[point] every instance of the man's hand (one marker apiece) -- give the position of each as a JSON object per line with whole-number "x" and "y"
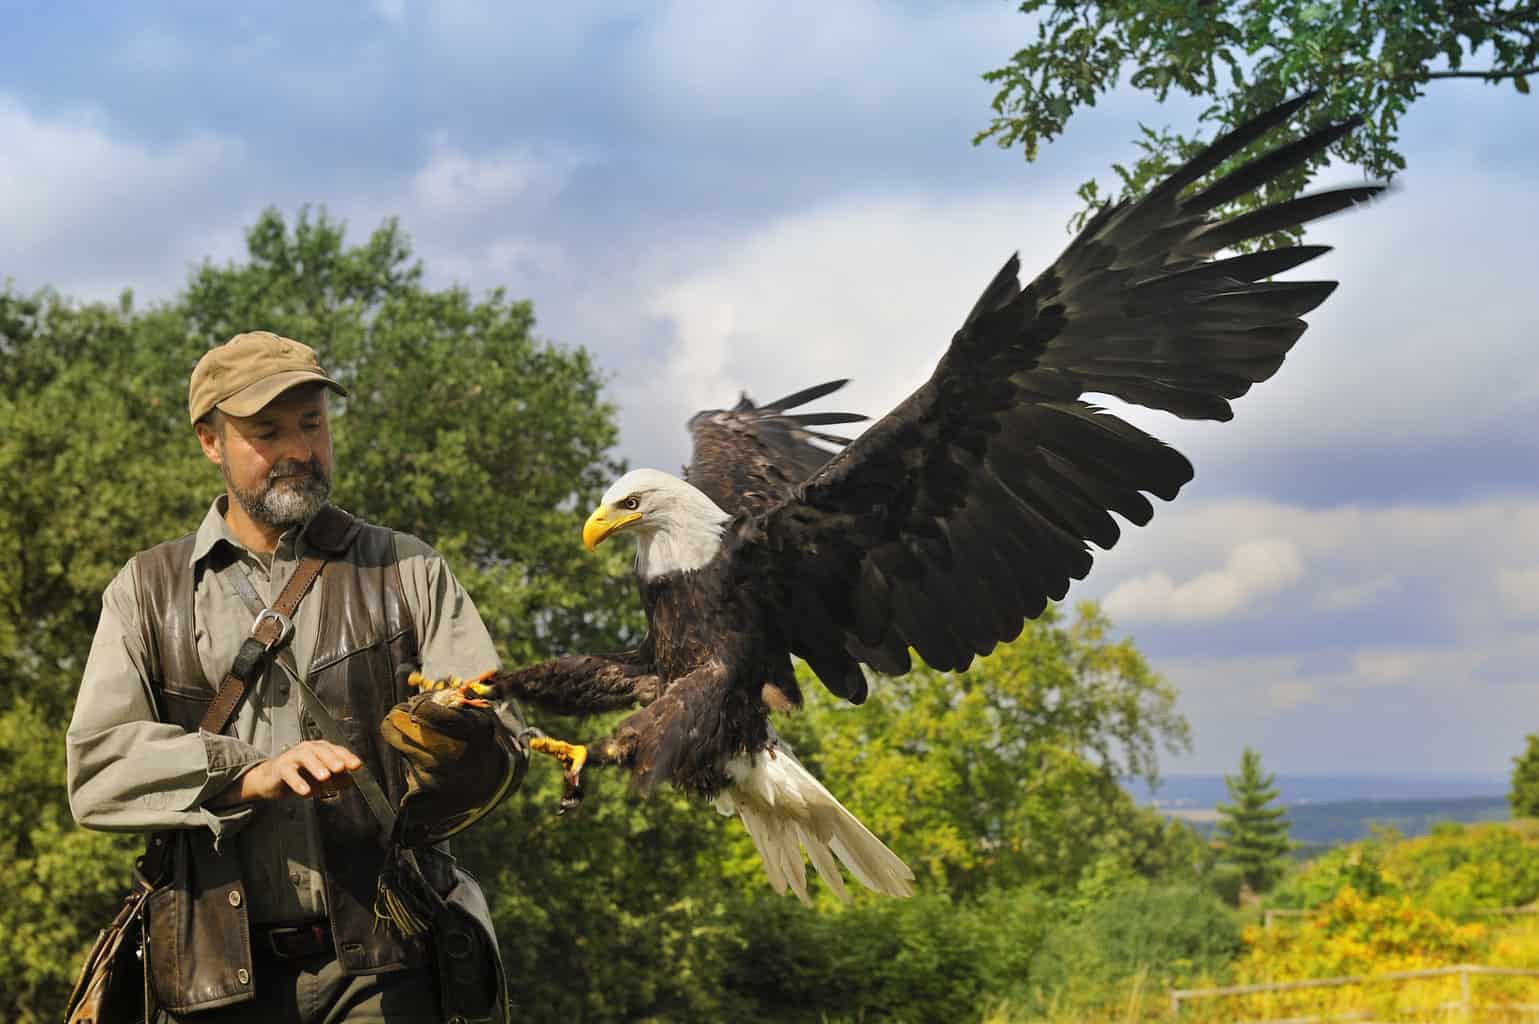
{"x": 305, "y": 769}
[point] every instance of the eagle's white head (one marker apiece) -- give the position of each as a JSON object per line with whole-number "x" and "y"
{"x": 677, "y": 528}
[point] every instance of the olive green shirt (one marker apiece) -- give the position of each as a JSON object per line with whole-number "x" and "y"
{"x": 126, "y": 772}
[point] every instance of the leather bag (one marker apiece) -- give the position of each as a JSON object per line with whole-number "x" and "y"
{"x": 472, "y": 988}
{"x": 111, "y": 987}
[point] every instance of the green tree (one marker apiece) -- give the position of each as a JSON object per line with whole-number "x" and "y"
{"x": 1524, "y": 795}
{"x": 1253, "y": 833}
{"x": 1372, "y": 57}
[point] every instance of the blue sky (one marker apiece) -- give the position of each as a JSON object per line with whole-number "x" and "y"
{"x": 715, "y": 197}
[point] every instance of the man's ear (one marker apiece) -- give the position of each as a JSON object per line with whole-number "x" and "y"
{"x": 208, "y": 437}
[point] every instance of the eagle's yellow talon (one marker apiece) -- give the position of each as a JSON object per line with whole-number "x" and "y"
{"x": 479, "y": 689}
{"x": 431, "y": 686}
{"x": 571, "y": 755}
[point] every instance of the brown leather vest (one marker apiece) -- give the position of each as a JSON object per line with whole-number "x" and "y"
{"x": 199, "y": 935}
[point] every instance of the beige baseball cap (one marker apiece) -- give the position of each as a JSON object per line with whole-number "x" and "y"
{"x": 245, "y": 373}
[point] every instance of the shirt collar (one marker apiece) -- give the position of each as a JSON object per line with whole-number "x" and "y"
{"x": 214, "y": 531}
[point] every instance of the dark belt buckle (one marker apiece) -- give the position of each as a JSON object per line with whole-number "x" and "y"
{"x": 291, "y": 942}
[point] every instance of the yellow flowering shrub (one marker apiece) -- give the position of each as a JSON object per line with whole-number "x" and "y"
{"x": 1356, "y": 935}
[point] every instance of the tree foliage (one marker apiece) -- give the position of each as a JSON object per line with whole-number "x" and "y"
{"x": 1373, "y": 58}
{"x": 1523, "y": 797}
{"x": 1253, "y": 833}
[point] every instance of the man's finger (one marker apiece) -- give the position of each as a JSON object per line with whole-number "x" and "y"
{"x": 295, "y": 779}
{"x": 314, "y": 763}
{"x": 337, "y": 757}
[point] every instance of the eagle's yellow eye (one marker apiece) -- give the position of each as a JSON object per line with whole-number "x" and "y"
{"x": 630, "y": 504}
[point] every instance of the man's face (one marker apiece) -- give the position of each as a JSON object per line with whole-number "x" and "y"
{"x": 277, "y": 463}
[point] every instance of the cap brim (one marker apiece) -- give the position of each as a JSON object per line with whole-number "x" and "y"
{"x": 253, "y": 398}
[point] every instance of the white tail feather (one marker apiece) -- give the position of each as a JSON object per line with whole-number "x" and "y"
{"x": 786, "y": 809}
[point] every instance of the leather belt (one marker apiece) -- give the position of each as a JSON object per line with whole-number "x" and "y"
{"x": 294, "y": 941}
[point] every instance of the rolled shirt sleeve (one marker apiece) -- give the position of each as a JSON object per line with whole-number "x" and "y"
{"x": 127, "y": 772}
{"x": 451, "y": 638}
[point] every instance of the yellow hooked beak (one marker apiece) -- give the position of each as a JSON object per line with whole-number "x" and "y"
{"x": 599, "y": 526}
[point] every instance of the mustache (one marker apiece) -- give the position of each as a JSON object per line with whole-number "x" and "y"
{"x": 295, "y": 468}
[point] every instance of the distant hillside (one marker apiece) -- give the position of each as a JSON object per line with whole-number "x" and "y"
{"x": 1201, "y": 791}
{"x": 1325, "y": 824}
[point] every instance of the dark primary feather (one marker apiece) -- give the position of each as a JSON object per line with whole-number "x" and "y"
{"x": 750, "y": 458}
{"x": 967, "y": 508}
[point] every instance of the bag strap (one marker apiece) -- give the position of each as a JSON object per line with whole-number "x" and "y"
{"x": 273, "y": 628}
{"x": 368, "y": 787}
{"x": 274, "y": 625}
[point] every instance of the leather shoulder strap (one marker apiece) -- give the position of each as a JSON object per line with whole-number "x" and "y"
{"x": 330, "y": 532}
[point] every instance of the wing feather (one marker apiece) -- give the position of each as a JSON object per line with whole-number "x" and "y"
{"x": 967, "y": 508}
{"x": 750, "y": 458}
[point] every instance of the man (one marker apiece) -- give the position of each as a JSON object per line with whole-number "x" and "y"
{"x": 284, "y": 854}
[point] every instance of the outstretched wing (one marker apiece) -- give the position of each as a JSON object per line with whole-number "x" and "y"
{"x": 580, "y": 684}
{"x": 750, "y": 458}
{"x": 959, "y": 514}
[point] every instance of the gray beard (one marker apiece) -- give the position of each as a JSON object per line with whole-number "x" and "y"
{"x": 292, "y": 493}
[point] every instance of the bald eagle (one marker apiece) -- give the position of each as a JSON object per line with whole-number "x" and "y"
{"x": 946, "y": 524}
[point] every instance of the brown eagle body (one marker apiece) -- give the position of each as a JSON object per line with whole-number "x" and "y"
{"x": 715, "y": 644}
{"x": 955, "y": 517}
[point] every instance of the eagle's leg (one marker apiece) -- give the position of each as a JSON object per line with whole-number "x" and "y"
{"x": 574, "y": 757}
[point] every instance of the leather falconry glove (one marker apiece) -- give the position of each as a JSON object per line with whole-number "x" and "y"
{"x": 462, "y": 759}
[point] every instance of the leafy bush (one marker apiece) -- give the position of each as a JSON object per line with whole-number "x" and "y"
{"x": 1475, "y": 868}
{"x": 1359, "y": 867}
{"x": 1227, "y": 882}
{"x": 1356, "y": 934}
{"x": 917, "y": 959}
{"x": 1173, "y": 932}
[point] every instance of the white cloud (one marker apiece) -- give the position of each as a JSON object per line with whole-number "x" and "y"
{"x": 393, "y": 12}
{"x": 90, "y": 210}
{"x": 1361, "y": 558}
{"x": 1291, "y": 693}
{"x": 1402, "y": 626}
{"x": 1358, "y": 594}
{"x": 1520, "y": 591}
{"x": 1384, "y": 667}
{"x": 712, "y": 62}
{"x": 1359, "y": 709}
{"x": 508, "y": 262}
{"x": 1254, "y": 569}
{"x": 521, "y": 48}
{"x": 454, "y": 183}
